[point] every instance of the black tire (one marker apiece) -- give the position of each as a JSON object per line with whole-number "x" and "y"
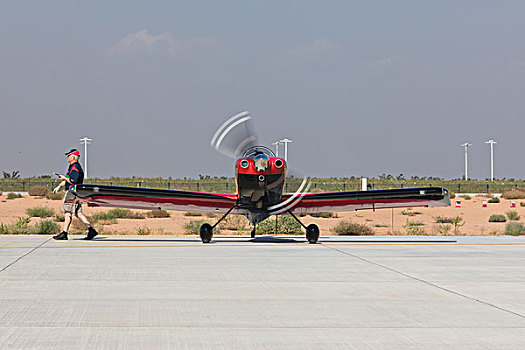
{"x": 206, "y": 233}
{"x": 312, "y": 233}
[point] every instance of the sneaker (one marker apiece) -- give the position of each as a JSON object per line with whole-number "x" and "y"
{"x": 91, "y": 234}
{"x": 61, "y": 236}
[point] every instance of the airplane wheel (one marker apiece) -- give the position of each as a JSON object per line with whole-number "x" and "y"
{"x": 206, "y": 233}
{"x": 312, "y": 233}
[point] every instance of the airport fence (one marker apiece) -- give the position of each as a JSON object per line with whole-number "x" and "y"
{"x": 292, "y": 184}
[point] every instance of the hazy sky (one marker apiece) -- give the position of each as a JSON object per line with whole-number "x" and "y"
{"x": 362, "y": 88}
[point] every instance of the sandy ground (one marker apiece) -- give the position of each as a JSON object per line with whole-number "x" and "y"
{"x": 474, "y": 215}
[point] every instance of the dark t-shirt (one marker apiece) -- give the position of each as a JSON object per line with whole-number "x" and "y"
{"x": 75, "y": 173}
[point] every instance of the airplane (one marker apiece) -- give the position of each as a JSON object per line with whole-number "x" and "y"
{"x": 260, "y": 178}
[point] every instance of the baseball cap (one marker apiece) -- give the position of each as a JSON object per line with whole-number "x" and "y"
{"x": 74, "y": 152}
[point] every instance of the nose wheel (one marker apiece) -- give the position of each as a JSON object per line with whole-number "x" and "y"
{"x": 312, "y": 233}
{"x": 206, "y": 233}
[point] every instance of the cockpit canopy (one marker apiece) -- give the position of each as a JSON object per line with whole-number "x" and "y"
{"x": 261, "y": 157}
{"x": 258, "y": 150}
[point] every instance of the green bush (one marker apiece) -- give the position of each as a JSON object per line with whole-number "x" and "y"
{"x": 497, "y": 218}
{"x": 60, "y": 217}
{"x": 409, "y": 212}
{"x": 12, "y": 195}
{"x": 40, "y": 212}
{"x": 193, "y": 227}
{"x": 515, "y": 229}
{"x": 21, "y": 226}
{"x": 117, "y": 213}
{"x": 414, "y": 227}
{"x": 466, "y": 197}
{"x": 325, "y": 215}
{"x": 513, "y": 215}
{"x": 40, "y": 191}
{"x": 494, "y": 200}
{"x": 144, "y": 230}
{"x": 157, "y": 214}
{"x": 444, "y": 228}
{"x": 120, "y": 213}
{"x": 353, "y": 229}
{"x": 286, "y": 225}
{"x": 443, "y": 220}
{"x": 55, "y": 196}
{"x": 522, "y": 204}
{"x": 46, "y": 227}
{"x": 103, "y": 216}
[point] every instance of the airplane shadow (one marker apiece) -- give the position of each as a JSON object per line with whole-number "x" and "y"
{"x": 267, "y": 239}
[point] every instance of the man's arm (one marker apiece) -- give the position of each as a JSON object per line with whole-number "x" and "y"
{"x": 62, "y": 184}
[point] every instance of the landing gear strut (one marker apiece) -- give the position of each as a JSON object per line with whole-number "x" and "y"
{"x": 312, "y": 230}
{"x": 206, "y": 230}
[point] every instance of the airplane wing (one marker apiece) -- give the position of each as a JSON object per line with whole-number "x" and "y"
{"x": 358, "y": 200}
{"x": 154, "y": 199}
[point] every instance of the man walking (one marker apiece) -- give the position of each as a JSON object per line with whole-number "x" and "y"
{"x": 74, "y": 176}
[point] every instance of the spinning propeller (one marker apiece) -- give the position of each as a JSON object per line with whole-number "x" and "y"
{"x": 235, "y": 136}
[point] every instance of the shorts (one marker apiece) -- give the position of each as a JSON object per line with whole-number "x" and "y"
{"x": 71, "y": 208}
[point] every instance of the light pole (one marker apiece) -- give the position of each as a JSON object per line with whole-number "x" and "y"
{"x": 286, "y": 142}
{"x": 86, "y": 142}
{"x": 466, "y": 145}
{"x": 276, "y": 144}
{"x": 491, "y": 142}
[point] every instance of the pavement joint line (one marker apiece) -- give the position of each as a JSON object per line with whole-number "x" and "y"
{"x": 254, "y": 327}
{"x": 24, "y": 255}
{"x": 427, "y": 282}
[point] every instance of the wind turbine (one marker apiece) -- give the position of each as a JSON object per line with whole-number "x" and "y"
{"x": 86, "y": 142}
{"x": 286, "y": 142}
{"x": 491, "y": 142}
{"x": 466, "y": 145}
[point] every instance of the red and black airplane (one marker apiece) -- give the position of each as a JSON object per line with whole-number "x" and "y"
{"x": 260, "y": 178}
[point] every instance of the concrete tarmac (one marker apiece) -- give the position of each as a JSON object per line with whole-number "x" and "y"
{"x": 173, "y": 292}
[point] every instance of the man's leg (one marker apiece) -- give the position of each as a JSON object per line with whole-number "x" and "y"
{"x": 67, "y": 223}
{"x": 68, "y": 217}
{"x": 91, "y": 231}
{"x": 66, "y": 208}
{"x": 84, "y": 220}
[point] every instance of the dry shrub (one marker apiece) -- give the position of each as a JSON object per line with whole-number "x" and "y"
{"x": 54, "y": 196}
{"x": 234, "y": 223}
{"x": 513, "y": 215}
{"x": 352, "y": 229}
{"x": 38, "y": 191}
{"x": 190, "y": 213}
{"x": 515, "y": 229}
{"x": 514, "y": 193}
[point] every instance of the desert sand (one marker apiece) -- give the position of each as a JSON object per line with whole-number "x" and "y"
{"x": 474, "y": 216}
